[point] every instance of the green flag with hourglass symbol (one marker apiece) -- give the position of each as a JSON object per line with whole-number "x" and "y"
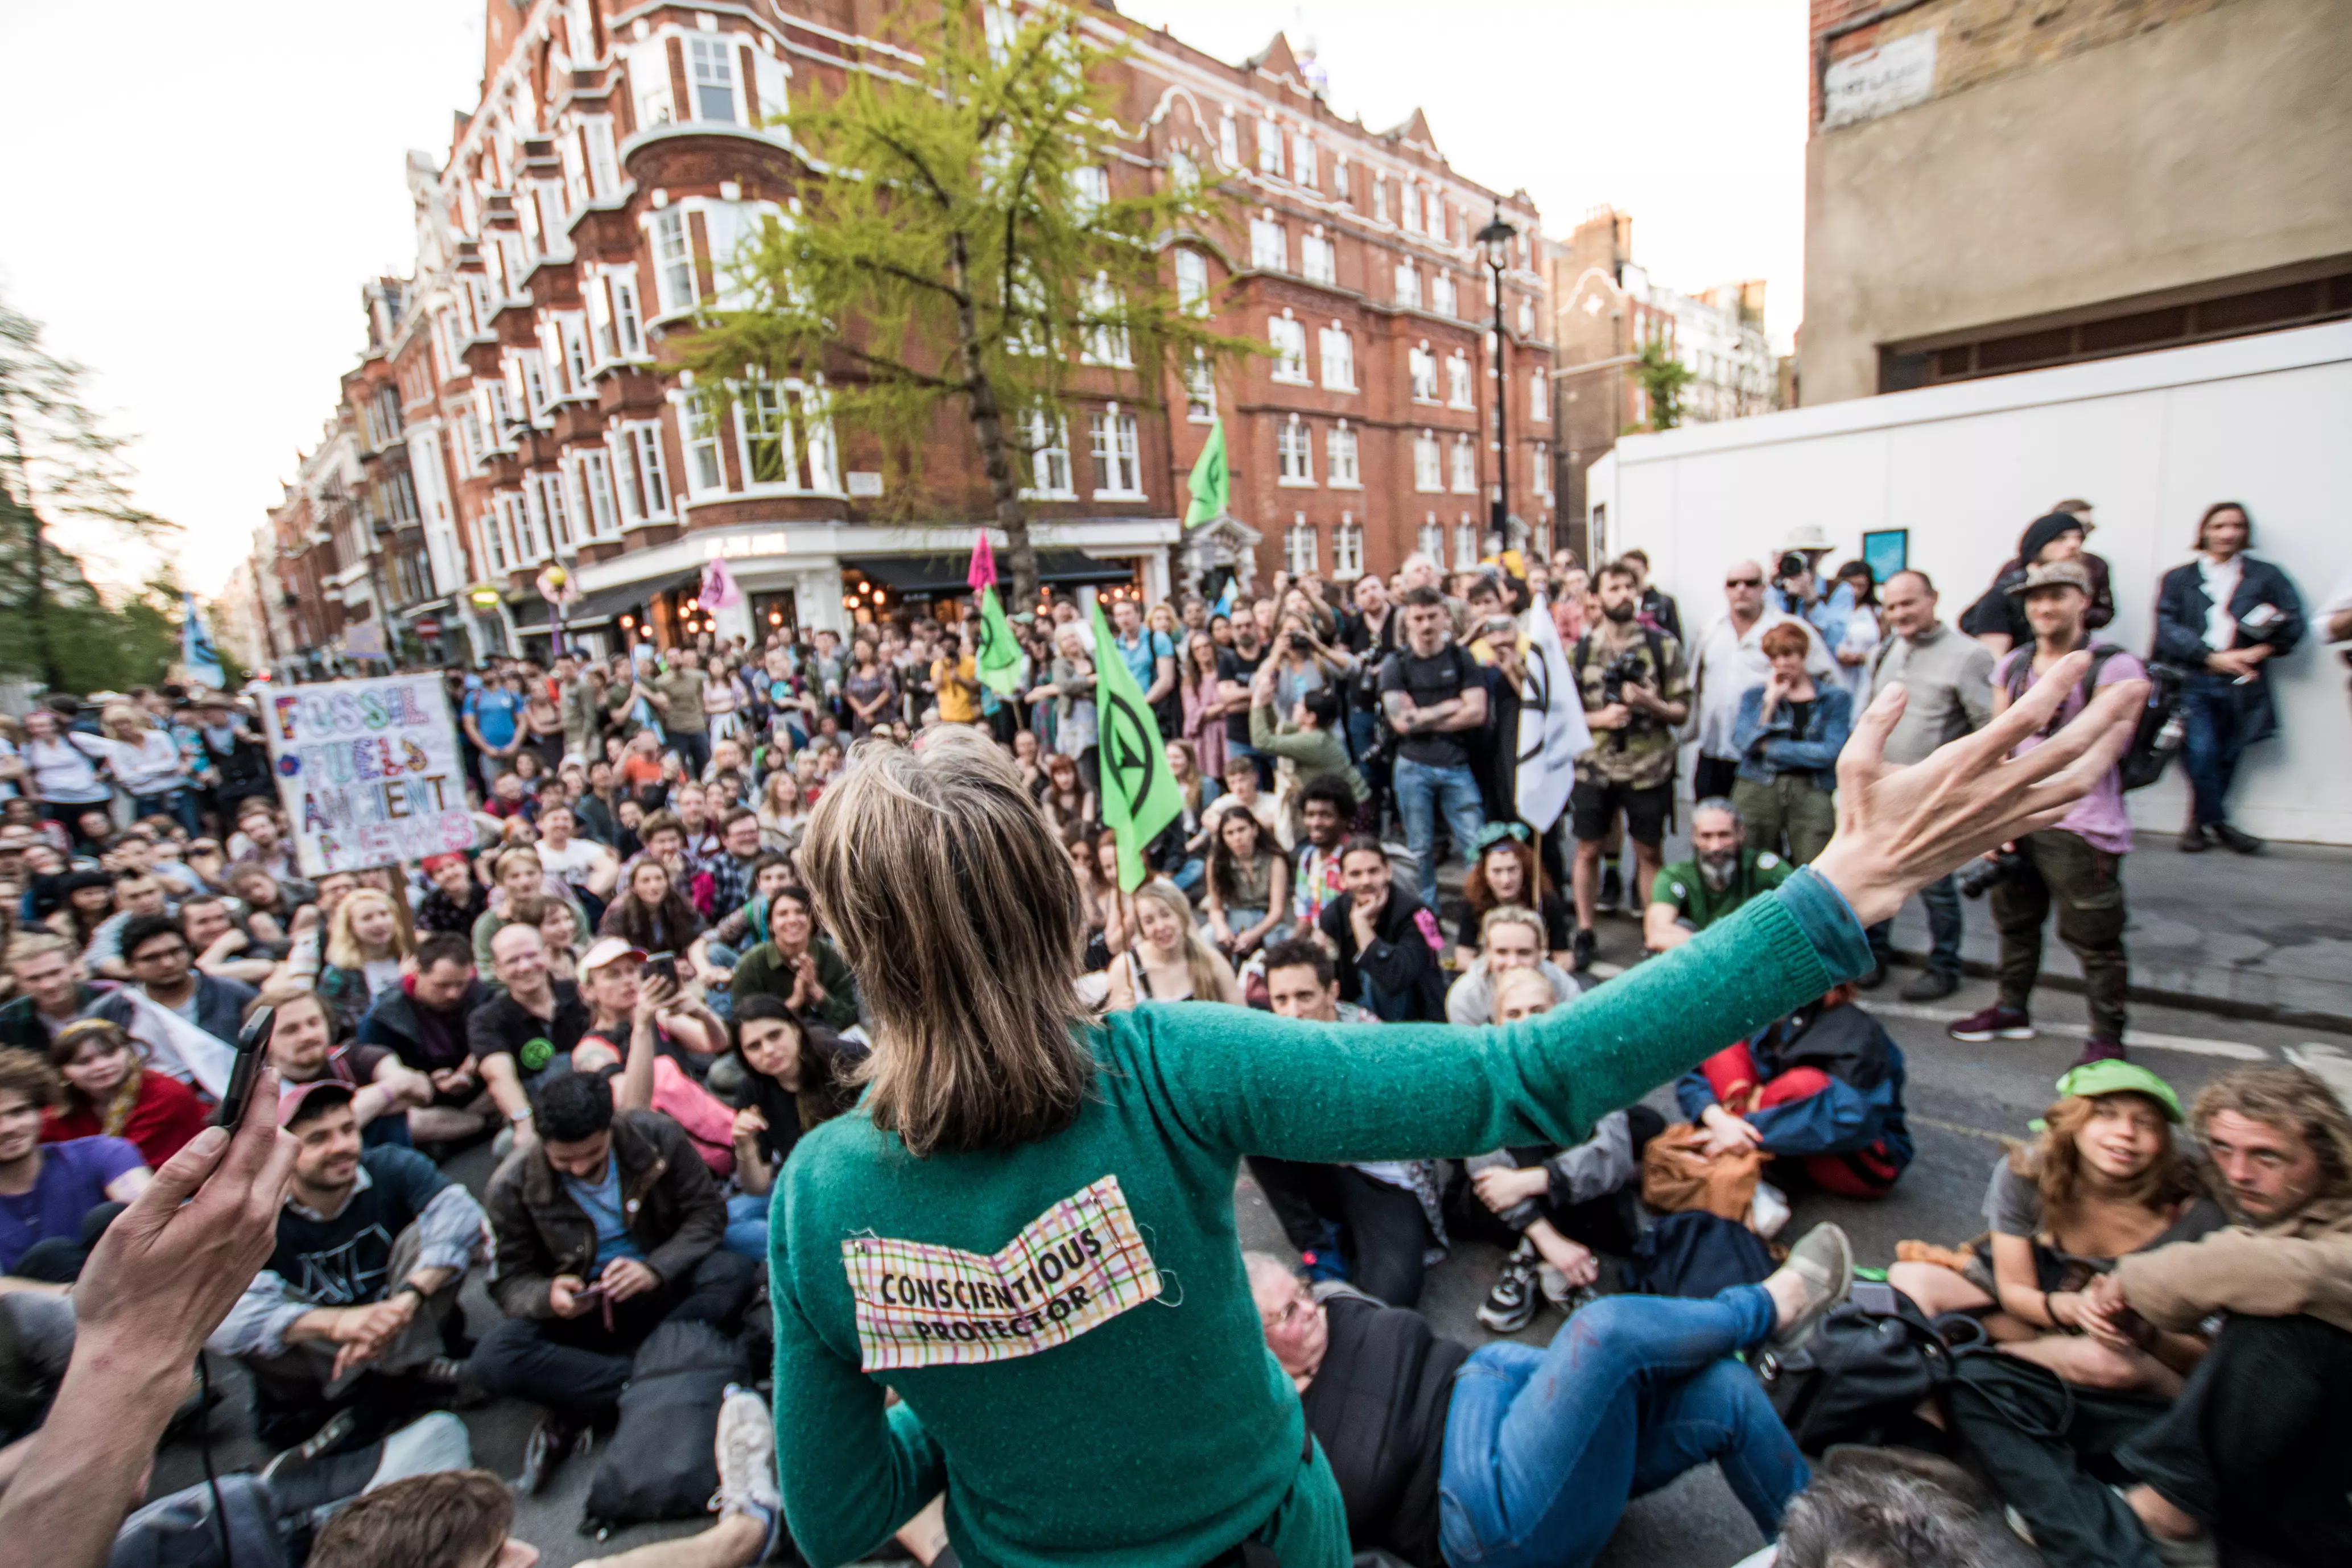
{"x": 1140, "y": 796}
{"x": 1000, "y": 651}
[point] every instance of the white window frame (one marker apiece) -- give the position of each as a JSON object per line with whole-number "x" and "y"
{"x": 1229, "y": 142}
{"x": 699, "y": 434}
{"x": 1409, "y": 206}
{"x": 1303, "y": 158}
{"x": 1116, "y": 454}
{"x": 555, "y": 505}
{"x": 1294, "y": 446}
{"x": 1444, "y": 297}
{"x": 818, "y": 444}
{"x": 1108, "y": 343}
{"x": 651, "y": 469}
{"x": 1347, "y": 550}
{"x": 1408, "y": 285}
{"x": 1089, "y": 190}
{"x": 1342, "y": 469}
{"x": 1338, "y": 351}
{"x": 1539, "y": 395}
{"x": 1465, "y": 545}
{"x": 599, "y": 506}
{"x": 1269, "y": 147}
{"x": 1428, "y": 464}
{"x": 674, "y": 273}
{"x": 1300, "y": 548}
{"x": 1269, "y": 245}
{"x": 1540, "y": 470}
{"x": 1459, "y": 383}
{"x": 1429, "y": 538}
{"x": 1191, "y": 282}
{"x": 763, "y": 416}
{"x": 1318, "y": 260}
{"x": 1421, "y": 372}
{"x": 1049, "y": 460}
{"x": 1201, "y": 388}
{"x": 1288, "y": 337}
{"x": 604, "y": 159}
{"x": 708, "y": 56}
{"x": 1465, "y": 466}
{"x": 572, "y": 333}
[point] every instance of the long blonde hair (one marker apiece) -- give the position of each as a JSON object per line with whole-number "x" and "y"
{"x": 344, "y": 949}
{"x": 960, "y": 915}
{"x": 1198, "y": 962}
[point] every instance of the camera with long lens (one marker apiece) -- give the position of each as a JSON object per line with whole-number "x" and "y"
{"x": 1979, "y": 877}
{"x": 1626, "y": 668}
{"x": 1791, "y": 566}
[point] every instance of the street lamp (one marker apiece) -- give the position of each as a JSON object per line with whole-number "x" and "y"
{"x": 1496, "y": 238}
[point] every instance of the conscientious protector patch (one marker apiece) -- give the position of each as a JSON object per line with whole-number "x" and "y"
{"x": 1074, "y": 1268}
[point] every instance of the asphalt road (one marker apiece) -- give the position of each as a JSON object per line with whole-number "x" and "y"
{"x": 1963, "y": 1099}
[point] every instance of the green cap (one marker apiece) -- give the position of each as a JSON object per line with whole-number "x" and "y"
{"x": 2116, "y": 1076}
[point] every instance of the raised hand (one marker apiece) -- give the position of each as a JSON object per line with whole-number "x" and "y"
{"x": 1900, "y": 828}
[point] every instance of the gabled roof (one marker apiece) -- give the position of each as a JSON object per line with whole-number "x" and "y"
{"x": 1414, "y": 129}
{"x": 1274, "y": 60}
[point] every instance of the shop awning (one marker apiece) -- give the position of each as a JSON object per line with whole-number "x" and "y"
{"x": 595, "y": 609}
{"x": 945, "y": 574}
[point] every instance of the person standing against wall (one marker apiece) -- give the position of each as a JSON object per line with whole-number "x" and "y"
{"x": 2221, "y": 617}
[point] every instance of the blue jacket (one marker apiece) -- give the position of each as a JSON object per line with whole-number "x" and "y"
{"x": 1767, "y": 751}
{"x": 2180, "y": 606}
{"x": 1862, "y": 1105}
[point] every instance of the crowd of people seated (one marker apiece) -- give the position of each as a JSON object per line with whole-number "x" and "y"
{"x": 627, "y": 992}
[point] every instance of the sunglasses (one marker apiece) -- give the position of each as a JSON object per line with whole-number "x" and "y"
{"x": 1743, "y": 581}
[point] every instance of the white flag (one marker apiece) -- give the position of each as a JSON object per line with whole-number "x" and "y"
{"x": 1552, "y": 733}
{"x": 177, "y": 1047}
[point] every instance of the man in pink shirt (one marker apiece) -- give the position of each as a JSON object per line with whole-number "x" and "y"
{"x": 2077, "y": 865}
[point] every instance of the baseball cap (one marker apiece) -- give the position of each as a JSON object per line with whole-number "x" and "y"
{"x": 609, "y": 949}
{"x": 2053, "y": 574}
{"x": 2116, "y": 1076}
{"x": 292, "y": 1096}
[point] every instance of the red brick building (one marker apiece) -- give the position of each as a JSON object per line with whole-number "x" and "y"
{"x": 513, "y": 408}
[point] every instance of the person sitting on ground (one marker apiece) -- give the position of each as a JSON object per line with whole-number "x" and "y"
{"x": 745, "y": 926}
{"x": 1821, "y": 1089}
{"x": 2104, "y": 1180}
{"x": 1788, "y": 734}
{"x": 1444, "y": 1453}
{"x": 1245, "y": 887}
{"x": 653, "y": 915}
{"x": 1169, "y": 961}
{"x": 1554, "y": 1208}
{"x": 357, "y": 1306}
{"x": 136, "y": 894}
{"x": 795, "y": 1075}
{"x": 1377, "y": 1223}
{"x": 456, "y": 898}
{"x": 368, "y": 949}
{"x": 604, "y": 1228}
{"x": 1510, "y": 938}
{"x": 423, "y": 1021}
{"x": 798, "y": 965}
{"x": 223, "y": 947}
{"x": 162, "y": 970}
{"x": 521, "y": 874}
{"x": 586, "y": 869}
{"x": 109, "y": 1090}
{"x": 272, "y": 904}
{"x": 1722, "y": 873}
{"x": 1504, "y": 869}
{"x": 2251, "y": 1451}
{"x": 528, "y": 1030}
{"x": 89, "y": 903}
{"x": 1386, "y": 940}
{"x": 51, "y": 991}
{"x": 53, "y": 1196}
{"x": 1243, "y": 793}
{"x": 302, "y": 1049}
{"x": 659, "y": 1049}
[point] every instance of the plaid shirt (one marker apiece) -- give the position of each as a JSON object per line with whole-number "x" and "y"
{"x": 730, "y": 882}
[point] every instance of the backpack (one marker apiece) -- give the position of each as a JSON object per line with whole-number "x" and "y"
{"x": 1859, "y": 1374}
{"x": 1694, "y": 1254}
{"x": 2158, "y": 737}
{"x": 660, "y": 1463}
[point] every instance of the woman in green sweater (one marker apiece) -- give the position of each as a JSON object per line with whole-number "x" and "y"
{"x": 1027, "y": 1230}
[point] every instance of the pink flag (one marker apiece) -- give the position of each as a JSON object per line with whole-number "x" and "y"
{"x": 982, "y": 570}
{"x": 718, "y": 589}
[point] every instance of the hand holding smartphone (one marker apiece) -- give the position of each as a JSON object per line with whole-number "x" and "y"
{"x": 252, "y": 1048}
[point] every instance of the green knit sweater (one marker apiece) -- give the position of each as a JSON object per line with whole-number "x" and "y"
{"x": 1067, "y": 1322}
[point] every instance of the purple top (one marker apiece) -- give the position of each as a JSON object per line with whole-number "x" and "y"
{"x": 2098, "y": 818}
{"x": 72, "y": 1182}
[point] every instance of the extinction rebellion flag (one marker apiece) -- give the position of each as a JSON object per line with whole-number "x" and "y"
{"x": 1140, "y": 796}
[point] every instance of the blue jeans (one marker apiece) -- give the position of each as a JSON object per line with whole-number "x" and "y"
{"x": 2214, "y": 736}
{"x": 179, "y": 805}
{"x": 1543, "y": 1449}
{"x": 1942, "y": 898}
{"x": 1188, "y": 875}
{"x": 1422, "y": 792}
{"x": 746, "y": 1226}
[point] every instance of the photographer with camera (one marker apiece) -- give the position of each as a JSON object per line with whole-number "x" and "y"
{"x": 1635, "y": 691}
{"x": 2078, "y": 863}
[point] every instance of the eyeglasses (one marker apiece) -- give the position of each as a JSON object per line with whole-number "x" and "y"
{"x": 1743, "y": 581}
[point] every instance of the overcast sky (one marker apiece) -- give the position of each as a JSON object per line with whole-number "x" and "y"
{"x": 195, "y": 205}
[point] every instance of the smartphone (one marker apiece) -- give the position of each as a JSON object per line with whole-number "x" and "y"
{"x": 589, "y": 1293}
{"x": 252, "y": 1044}
{"x": 663, "y": 965}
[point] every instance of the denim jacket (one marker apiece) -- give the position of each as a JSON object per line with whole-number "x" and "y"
{"x": 1767, "y": 751}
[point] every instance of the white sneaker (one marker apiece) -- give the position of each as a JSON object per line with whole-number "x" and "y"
{"x": 747, "y": 1463}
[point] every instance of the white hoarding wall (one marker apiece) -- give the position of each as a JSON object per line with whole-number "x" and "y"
{"x": 2150, "y": 440}
{"x": 369, "y": 771}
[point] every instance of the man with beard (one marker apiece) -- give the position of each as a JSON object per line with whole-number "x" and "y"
{"x": 1386, "y": 940}
{"x": 1721, "y": 874}
{"x": 1636, "y": 689}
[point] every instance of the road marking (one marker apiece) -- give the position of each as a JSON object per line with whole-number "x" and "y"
{"x": 1605, "y": 971}
{"x": 1957, "y": 1127}
{"x": 2234, "y": 1050}
{"x": 2329, "y": 1062}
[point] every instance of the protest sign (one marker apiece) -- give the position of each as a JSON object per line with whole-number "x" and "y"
{"x": 368, "y": 771}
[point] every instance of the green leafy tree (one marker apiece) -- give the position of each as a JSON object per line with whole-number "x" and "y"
{"x": 954, "y": 255}
{"x": 1662, "y": 379}
{"x": 56, "y": 463}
